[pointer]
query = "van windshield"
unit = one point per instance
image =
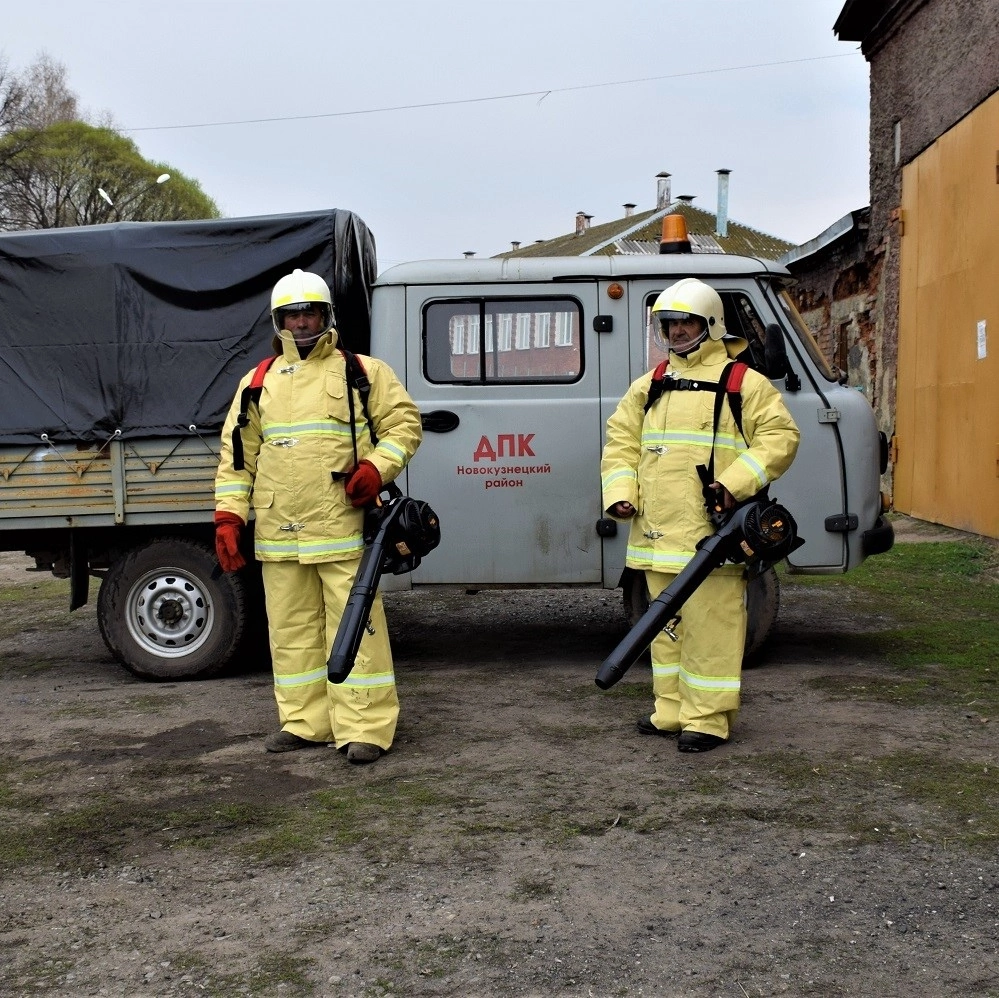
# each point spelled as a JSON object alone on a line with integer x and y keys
{"x": 793, "y": 316}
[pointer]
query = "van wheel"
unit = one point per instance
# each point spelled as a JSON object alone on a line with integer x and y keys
{"x": 165, "y": 611}
{"x": 762, "y": 607}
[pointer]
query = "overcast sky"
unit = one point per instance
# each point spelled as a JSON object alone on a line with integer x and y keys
{"x": 454, "y": 125}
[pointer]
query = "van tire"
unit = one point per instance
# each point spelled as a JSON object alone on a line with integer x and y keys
{"x": 762, "y": 607}
{"x": 167, "y": 612}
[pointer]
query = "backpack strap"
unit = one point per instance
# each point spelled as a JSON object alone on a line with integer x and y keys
{"x": 732, "y": 380}
{"x": 251, "y": 393}
{"x": 730, "y": 387}
{"x": 657, "y": 385}
{"x": 357, "y": 378}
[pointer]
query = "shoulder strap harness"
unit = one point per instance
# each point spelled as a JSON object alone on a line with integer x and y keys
{"x": 730, "y": 387}
{"x": 357, "y": 378}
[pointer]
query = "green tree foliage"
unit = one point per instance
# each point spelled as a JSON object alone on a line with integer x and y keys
{"x": 53, "y": 176}
{"x": 54, "y": 166}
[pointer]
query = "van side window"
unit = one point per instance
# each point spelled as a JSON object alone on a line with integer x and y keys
{"x": 502, "y": 341}
{"x": 741, "y": 319}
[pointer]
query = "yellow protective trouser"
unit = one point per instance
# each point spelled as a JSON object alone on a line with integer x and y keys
{"x": 304, "y": 606}
{"x": 696, "y": 678}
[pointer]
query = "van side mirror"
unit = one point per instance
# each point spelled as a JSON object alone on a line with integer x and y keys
{"x": 774, "y": 352}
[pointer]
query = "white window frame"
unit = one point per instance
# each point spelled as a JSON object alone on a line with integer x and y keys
{"x": 542, "y": 329}
{"x": 458, "y": 335}
{"x": 522, "y": 340}
{"x": 505, "y": 331}
{"x": 472, "y": 336}
{"x": 563, "y": 329}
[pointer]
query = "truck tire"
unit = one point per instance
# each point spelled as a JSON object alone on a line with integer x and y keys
{"x": 762, "y": 608}
{"x": 166, "y": 612}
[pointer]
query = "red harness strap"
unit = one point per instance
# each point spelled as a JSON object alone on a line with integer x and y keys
{"x": 251, "y": 393}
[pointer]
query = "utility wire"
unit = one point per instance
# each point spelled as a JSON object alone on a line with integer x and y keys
{"x": 540, "y": 94}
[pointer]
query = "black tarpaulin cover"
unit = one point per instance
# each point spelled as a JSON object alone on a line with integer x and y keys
{"x": 146, "y": 327}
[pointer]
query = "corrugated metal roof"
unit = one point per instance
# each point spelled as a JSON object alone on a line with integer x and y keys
{"x": 630, "y": 234}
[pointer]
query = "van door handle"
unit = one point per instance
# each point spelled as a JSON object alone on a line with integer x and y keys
{"x": 439, "y": 421}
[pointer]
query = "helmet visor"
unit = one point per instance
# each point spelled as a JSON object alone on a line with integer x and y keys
{"x": 665, "y": 316}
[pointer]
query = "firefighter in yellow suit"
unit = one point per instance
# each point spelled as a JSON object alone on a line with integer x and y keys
{"x": 649, "y": 476}
{"x": 309, "y": 468}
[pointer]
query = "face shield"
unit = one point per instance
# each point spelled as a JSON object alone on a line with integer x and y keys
{"x": 684, "y": 331}
{"x": 304, "y": 323}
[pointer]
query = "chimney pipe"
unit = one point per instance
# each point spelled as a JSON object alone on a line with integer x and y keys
{"x": 580, "y": 222}
{"x": 721, "y": 219}
{"x": 515, "y": 244}
{"x": 469, "y": 254}
{"x": 663, "y": 197}
{"x": 686, "y": 198}
{"x": 629, "y": 210}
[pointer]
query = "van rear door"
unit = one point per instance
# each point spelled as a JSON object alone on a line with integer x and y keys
{"x": 507, "y": 380}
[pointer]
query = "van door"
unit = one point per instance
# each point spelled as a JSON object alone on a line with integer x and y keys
{"x": 508, "y": 385}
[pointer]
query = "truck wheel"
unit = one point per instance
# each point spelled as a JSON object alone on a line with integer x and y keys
{"x": 762, "y": 607}
{"x": 163, "y": 615}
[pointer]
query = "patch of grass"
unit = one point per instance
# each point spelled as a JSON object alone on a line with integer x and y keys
{"x": 943, "y": 599}
{"x": 154, "y": 703}
{"x": 42, "y": 975}
{"x": 49, "y": 589}
{"x": 383, "y": 812}
{"x": 274, "y": 972}
{"x": 439, "y": 958}
{"x": 901, "y": 796}
{"x": 532, "y": 889}
{"x": 630, "y": 691}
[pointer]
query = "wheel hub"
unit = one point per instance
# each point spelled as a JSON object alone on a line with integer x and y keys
{"x": 169, "y": 611}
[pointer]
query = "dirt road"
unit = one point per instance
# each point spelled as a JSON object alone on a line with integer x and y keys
{"x": 522, "y": 839}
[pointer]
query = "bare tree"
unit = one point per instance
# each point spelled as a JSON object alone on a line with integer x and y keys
{"x": 48, "y": 97}
{"x": 13, "y": 99}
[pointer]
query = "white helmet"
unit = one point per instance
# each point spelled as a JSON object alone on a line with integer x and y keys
{"x": 296, "y": 291}
{"x": 691, "y": 297}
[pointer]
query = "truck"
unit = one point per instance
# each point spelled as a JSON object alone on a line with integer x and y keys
{"x": 123, "y": 345}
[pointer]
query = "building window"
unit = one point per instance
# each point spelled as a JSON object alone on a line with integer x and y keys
{"x": 563, "y": 328}
{"x": 542, "y": 327}
{"x": 523, "y": 341}
{"x": 505, "y": 330}
{"x": 458, "y": 335}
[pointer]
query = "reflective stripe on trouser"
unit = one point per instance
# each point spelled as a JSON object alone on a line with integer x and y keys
{"x": 304, "y": 605}
{"x": 696, "y": 679}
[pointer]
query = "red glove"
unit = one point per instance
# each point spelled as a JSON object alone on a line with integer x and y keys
{"x": 227, "y": 530}
{"x": 363, "y": 485}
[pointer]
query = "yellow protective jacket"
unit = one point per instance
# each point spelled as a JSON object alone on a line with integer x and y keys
{"x": 298, "y": 435}
{"x": 651, "y": 460}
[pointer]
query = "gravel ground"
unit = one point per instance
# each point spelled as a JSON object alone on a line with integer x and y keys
{"x": 521, "y": 839}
